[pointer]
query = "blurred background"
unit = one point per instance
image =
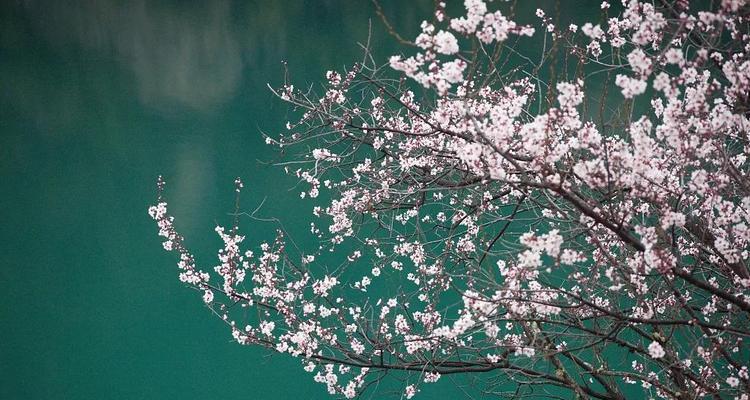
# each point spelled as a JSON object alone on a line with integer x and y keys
{"x": 97, "y": 98}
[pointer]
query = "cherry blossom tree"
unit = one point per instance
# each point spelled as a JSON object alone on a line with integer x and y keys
{"x": 555, "y": 210}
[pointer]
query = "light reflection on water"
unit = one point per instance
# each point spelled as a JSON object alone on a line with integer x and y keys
{"x": 186, "y": 54}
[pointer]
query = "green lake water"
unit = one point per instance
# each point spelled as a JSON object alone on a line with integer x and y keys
{"x": 96, "y": 100}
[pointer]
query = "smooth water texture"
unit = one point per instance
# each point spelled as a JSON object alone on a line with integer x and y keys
{"x": 96, "y": 100}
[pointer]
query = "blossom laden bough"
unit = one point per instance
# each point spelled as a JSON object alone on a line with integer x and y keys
{"x": 511, "y": 223}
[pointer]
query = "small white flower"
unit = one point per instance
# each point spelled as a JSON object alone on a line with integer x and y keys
{"x": 267, "y": 327}
{"x": 410, "y": 391}
{"x": 446, "y": 43}
{"x": 655, "y": 350}
{"x": 208, "y": 296}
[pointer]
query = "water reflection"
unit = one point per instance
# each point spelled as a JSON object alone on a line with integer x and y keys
{"x": 188, "y": 56}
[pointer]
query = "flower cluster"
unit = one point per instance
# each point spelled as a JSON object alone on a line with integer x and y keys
{"x": 511, "y": 220}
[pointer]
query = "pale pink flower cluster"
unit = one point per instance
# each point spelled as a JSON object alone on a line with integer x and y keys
{"x": 655, "y": 350}
{"x": 630, "y": 87}
{"x": 442, "y": 75}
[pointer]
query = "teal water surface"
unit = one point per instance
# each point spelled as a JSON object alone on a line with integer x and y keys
{"x": 96, "y": 100}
